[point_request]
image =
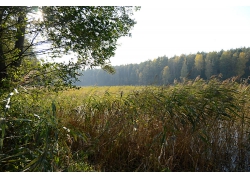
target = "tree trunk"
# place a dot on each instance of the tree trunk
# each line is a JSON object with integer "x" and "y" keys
{"x": 20, "y": 39}
{"x": 3, "y": 70}
{"x": 20, "y": 13}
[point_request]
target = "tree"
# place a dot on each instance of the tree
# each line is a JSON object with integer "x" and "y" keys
{"x": 90, "y": 33}
{"x": 184, "y": 69}
{"x": 241, "y": 64}
{"x": 226, "y": 64}
{"x": 166, "y": 75}
{"x": 199, "y": 62}
{"x": 210, "y": 63}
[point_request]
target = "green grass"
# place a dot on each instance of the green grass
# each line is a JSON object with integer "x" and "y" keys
{"x": 190, "y": 126}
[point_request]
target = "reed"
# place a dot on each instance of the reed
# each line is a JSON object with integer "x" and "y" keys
{"x": 191, "y": 126}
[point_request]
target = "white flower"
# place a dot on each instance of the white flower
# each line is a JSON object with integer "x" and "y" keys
{"x": 16, "y": 91}
{"x": 11, "y": 94}
{"x": 37, "y": 116}
{"x": 8, "y": 101}
{"x": 68, "y": 130}
{"x": 7, "y": 106}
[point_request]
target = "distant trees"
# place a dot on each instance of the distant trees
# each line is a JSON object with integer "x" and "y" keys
{"x": 199, "y": 63}
{"x": 166, "y": 75}
{"x": 210, "y": 64}
{"x": 164, "y": 70}
{"x": 241, "y": 64}
{"x": 184, "y": 69}
{"x": 226, "y": 64}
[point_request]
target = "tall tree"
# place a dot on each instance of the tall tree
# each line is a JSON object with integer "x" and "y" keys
{"x": 166, "y": 76}
{"x": 210, "y": 64}
{"x": 241, "y": 64}
{"x": 90, "y": 33}
{"x": 190, "y": 65}
{"x": 199, "y": 62}
{"x": 226, "y": 64}
{"x": 184, "y": 69}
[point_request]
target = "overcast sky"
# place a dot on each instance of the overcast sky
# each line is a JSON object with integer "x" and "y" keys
{"x": 163, "y": 30}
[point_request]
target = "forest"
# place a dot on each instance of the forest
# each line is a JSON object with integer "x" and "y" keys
{"x": 50, "y": 124}
{"x": 164, "y": 70}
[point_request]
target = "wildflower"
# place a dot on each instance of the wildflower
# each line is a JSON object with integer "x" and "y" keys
{"x": 8, "y": 101}
{"x": 37, "y": 116}
{"x": 68, "y": 130}
{"x": 7, "y": 106}
{"x": 11, "y": 94}
{"x": 16, "y": 91}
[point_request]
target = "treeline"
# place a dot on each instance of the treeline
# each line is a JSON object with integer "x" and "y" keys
{"x": 164, "y": 70}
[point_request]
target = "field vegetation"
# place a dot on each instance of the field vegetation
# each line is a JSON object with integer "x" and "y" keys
{"x": 192, "y": 126}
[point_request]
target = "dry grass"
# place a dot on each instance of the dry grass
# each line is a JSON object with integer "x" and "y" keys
{"x": 191, "y": 126}
{"x": 194, "y": 126}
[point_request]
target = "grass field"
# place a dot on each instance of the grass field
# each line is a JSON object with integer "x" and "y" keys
{"x": 191, "y": 126}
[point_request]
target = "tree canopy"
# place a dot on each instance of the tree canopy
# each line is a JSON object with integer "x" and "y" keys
{"x": 90, "y": 33}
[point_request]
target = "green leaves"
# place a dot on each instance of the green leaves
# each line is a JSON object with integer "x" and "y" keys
{"x": 91, "y": 31}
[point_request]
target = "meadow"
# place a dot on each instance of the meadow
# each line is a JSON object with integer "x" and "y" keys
{"x": 193, "y": 126}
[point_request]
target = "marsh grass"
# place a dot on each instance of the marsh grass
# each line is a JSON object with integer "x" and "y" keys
{"x": 190, "y": 126}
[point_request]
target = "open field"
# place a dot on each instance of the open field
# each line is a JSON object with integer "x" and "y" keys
{"x": 102, "y": 90}
{"x": 191, "y": 126}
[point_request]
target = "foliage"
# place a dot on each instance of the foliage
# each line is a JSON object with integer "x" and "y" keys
{"x": 191, "y": 126}
{"x": 89, "y": 33}
{"x": 164, "y": 70}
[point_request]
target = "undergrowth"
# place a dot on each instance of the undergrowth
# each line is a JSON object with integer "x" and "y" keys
{"x": 191, "y": 126}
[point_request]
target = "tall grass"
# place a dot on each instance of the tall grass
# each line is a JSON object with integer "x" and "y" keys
{"x": 190, "y": 126}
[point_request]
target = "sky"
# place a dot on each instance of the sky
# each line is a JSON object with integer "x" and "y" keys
{"x": 175, "y": 27}
{"x": 163, "y": 30}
